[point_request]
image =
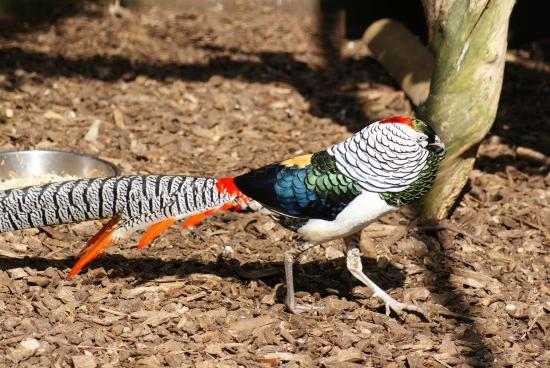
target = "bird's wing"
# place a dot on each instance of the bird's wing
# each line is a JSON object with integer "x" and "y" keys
{"x": 307, "y": 186}
{"x": 381, "y": 158}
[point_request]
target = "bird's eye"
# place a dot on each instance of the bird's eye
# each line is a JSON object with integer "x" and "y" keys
{"x": 422, "y": 140}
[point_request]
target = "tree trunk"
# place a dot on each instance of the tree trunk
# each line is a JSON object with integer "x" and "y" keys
{"x": 468, "y": 39}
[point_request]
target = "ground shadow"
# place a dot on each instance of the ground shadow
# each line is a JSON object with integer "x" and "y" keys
{"x": 21, "y": 16}
{"x": 522, "y": 120}
{"x": 441, "y": 266}
{"x": 310, "y": 276}
{"x": 499, "y": 163}
{"x": 323, "y": 88}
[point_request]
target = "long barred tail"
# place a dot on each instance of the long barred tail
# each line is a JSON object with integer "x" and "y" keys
{"x": 136, "y": 199}
{"x": 132, "y": 202}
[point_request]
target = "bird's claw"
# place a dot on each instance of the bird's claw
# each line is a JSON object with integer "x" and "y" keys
{"x": 298, "y": 308}
{"x": 400, "y": 308}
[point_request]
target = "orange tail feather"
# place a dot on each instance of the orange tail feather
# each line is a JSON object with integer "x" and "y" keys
{"x": 154, "y": 231}
{"x": 95, "y": 246}
{"x": 100, "y": 241}
{"x": 194, "y": 220}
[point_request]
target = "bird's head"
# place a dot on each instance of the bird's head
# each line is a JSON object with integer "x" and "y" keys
{"x": 424, "y": 135}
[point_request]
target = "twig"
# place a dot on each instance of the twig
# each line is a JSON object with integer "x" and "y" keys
{"x": 532, "y": 324}
{"x": 530, "y": 224}
{"x": 465, "y": 263}
{"x": 445, "y": 312}
{"x": 53, "y": 252}
{"x": 19, "y": 338}
{"x": 167, "y": 281}
{"x": 532, "y": 155}
{"x": 101, "y": 347}
{"x": 441, "y": 362}
{"x": 458, "y": 231}
{"x": 112, "y": 311}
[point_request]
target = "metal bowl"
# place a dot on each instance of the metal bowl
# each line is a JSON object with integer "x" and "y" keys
{"x": 23, "y": 164}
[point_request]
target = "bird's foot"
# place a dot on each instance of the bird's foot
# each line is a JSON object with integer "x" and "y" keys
{"x": 399, "y": 308}
{"x": 353, "y": 262}
{"x": 297, "y": 308}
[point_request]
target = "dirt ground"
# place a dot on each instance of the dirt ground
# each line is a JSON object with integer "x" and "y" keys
{"x": 196, "y": 94}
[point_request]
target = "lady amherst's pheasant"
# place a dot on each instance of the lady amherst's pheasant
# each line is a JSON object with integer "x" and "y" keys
{"x": 325, "y": 196}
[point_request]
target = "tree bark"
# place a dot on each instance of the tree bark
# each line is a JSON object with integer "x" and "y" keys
{"x": 468, "y": 39}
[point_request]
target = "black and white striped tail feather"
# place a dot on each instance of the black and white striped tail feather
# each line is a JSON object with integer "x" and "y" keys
{"x": 138, "y": 200}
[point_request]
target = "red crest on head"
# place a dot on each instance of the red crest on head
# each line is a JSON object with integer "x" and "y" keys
{"x": 398, "y": 120}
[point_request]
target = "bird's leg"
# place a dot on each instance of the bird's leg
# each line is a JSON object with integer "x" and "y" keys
{"x": 290, "y": 299}
{"x": 354, "y": 265}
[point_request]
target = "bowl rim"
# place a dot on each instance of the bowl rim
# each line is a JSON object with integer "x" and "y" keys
{"x": 74, "y": 153}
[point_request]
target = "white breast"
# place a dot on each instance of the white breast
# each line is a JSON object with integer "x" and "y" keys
{"x": 363, "y": 210}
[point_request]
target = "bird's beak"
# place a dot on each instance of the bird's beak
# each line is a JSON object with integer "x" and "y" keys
{"x": 437, "y": 147}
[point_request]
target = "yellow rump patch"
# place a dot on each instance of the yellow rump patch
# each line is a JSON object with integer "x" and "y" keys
{"x": 300, "y": 161}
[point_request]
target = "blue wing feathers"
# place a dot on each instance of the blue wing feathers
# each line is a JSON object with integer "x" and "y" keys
{"x": 287, "y": 190}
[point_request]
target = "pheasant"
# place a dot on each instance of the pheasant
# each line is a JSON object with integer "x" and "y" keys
{"x": 323, "y": 196}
